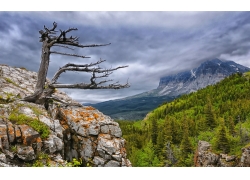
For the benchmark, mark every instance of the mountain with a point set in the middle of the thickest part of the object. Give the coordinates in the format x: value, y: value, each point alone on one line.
x: 208, y: 73
x: 207, y: 128
x: 170, y: 87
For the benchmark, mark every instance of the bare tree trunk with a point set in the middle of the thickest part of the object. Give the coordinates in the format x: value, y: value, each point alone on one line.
x: 50, y: 38
x: 42, y: 74
x: 43, y: 70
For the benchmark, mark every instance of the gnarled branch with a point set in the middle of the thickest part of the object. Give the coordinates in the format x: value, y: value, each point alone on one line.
x: 66, y: 54
x: 50, y: 37
x: 93, y: 84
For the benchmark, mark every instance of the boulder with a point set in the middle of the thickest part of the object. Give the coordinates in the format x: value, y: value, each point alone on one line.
x: 3, y: 158
x: 113, y: 163
x: 53, y: 144
x: 11, y: 132
x: 28, y: 134
x: 204, y: 157
x: 4, y: 144
x: 245, y: 157
x: 26, y: 153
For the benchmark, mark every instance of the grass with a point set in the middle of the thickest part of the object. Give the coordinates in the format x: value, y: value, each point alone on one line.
x: 37, y: 125
x: 8, y: 99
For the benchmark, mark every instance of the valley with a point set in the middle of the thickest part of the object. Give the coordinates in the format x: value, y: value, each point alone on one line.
x: 170, y: 87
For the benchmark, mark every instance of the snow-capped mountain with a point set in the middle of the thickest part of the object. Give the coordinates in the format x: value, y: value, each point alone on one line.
x: 208, y: 73
x: 137, y: 106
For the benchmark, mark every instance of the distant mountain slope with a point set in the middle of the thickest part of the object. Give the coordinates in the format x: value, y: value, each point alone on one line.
x: 170, y: 87
x: 208, y: 73
x: 173, y: 134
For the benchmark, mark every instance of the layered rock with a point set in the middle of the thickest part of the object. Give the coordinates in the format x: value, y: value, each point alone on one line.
x: 32, y: 135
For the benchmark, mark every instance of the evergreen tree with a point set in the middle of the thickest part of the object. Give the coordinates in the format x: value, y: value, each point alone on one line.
x: 231, y: 126
x: 186, y: 145
x: 168, y: 128
x: 222, y: 142
x: 154, y: 132
x: 210, y: 117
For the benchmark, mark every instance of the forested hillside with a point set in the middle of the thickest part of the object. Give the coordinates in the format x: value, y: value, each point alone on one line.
x: 218, y: 114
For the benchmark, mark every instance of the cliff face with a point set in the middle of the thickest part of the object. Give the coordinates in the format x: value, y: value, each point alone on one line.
x: 30, y: 135
x: 205, y: 157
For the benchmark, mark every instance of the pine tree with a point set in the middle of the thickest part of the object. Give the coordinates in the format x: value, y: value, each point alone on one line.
x: 186, y: 145
x: 222, y: 142
x: 168, y: 128
x: 231, y: 126
x: 210, y: 117
x: 154, y: 132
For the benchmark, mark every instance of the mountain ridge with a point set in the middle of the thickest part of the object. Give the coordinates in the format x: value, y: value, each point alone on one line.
x: 169, y: 88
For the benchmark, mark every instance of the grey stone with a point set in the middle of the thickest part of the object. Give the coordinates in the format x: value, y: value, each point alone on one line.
x: 203, y: 146
x: 230, y: 158
x: 94, y: 129
x: 53, y: 144
x: 86, y: 150
x: 11, y: 132
x: 117, y: 157
x: 126, y: 163
x: 115, y: 131
x: 4, y: 165
x: 107, y: 145
x: 9, y: 154
x: 3, y: 158
x: 47, y: 121
x: 29, y: 135
x: 58, y: 129
x: 112, y: 163
x: 4, y: 137
x: 98, y: 160
x: 25, y: 153
x: 105, y: 129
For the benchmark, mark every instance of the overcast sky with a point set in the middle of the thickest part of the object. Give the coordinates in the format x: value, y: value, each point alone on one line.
x: 153, y: 44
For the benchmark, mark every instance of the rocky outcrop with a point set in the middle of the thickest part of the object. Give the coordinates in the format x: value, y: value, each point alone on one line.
x: 31, y: 135
x: 245, y: 157
x: 204, y: 157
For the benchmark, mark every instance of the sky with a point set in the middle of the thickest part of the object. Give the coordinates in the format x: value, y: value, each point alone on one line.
x: 153, y: 44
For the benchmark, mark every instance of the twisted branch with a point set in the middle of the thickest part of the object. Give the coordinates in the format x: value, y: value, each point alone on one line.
x: 66, y: 54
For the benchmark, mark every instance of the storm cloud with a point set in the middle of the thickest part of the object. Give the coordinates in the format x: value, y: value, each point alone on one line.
x: 153, y: 44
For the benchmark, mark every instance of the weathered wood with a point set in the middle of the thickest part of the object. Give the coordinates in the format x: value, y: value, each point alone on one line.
x: 50, y: 38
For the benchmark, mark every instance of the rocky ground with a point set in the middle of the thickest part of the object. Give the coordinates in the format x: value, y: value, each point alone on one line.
x: 205, y: 157
x: 63, y: 135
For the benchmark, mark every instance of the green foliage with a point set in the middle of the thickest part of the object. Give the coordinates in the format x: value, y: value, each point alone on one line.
x: 13, y: 148
x: 209, y: 114
x: 74, y: 163
x: 9, y: 98
x: 222, y: 140
x: 37, y: 125
x: 42, y: 160
x: 154, y: 132
x: 186, y: 146
x: 218, y: 114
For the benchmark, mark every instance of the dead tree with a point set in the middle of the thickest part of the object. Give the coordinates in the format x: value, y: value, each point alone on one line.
x: 51, y: 38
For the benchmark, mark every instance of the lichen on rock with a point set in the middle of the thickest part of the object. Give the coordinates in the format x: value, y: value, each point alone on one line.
x: 31, y: 135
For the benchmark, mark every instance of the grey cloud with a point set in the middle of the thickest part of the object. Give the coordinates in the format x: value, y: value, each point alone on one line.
x: 153, y: 44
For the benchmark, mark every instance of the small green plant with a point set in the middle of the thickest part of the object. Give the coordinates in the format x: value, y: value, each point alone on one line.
x: 23, y: 68
x: 39, y: 126
x: 42, y: 160
x: 13, y: 148
x: 9, y: 80
x: 8, y: 99
x: 74, y: 163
